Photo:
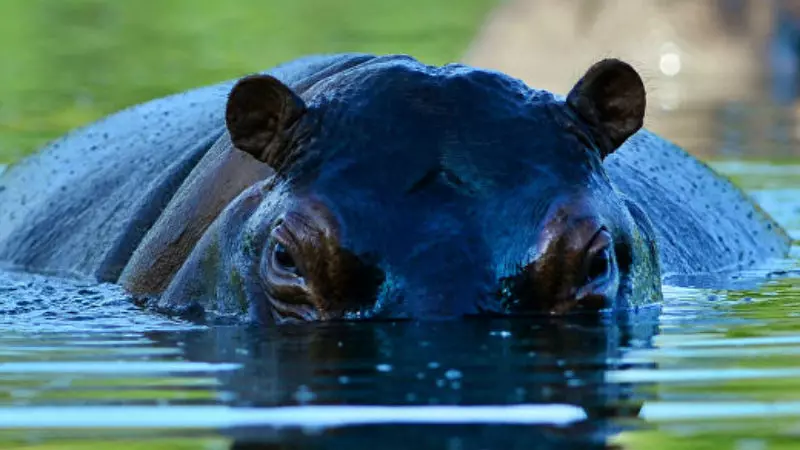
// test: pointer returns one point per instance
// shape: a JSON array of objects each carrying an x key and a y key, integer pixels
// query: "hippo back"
[
  {"x": 702, "y": 221},
  {"x": 83, "y": 203}
]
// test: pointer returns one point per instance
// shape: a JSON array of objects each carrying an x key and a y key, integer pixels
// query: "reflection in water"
[{"x": 481, "y": 362}]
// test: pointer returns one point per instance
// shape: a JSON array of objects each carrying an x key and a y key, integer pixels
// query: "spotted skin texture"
[
  {"x": 82, "y": 204},
  {"x": 703, "y": 222},
  {"x": 446, "y": 191}
]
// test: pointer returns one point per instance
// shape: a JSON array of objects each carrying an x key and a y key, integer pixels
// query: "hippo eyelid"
[
  {"x": 283, "y": 233},
  {"x": 299, "y": 226}
]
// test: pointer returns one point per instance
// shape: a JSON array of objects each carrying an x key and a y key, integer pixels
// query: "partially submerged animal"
[{"x": 354, "y": 185}]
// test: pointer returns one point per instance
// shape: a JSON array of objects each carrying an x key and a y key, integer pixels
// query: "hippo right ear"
[
  {"x": 259, "y": 114},
  {"x": 610, "y": 98}
]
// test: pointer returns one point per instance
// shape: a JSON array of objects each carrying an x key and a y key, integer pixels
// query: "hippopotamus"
[{"x": 357, "y": 186}]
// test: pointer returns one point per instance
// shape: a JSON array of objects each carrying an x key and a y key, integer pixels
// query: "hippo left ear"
[
  {"x": 610, "y": 98},
  {"x": 259, "y": 114}
]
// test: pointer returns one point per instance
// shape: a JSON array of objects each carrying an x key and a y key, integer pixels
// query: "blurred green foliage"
[{"x": 65, "y": 63}]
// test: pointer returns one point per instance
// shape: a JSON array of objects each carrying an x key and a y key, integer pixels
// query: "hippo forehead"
[
  {"x": 451, "y": 163},
  {"x": 389, "y": 125}
]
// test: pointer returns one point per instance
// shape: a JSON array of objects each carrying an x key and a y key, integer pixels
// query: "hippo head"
[{"x": 408, "y": 191}]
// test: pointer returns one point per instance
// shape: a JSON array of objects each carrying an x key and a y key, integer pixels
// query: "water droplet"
[
  {"x": 303, "y": 394},
  {"x": 433, "y": 365},
  {"x": 502, "y": 333},
  {"x": 453, "y": 374},
  {"x": 384, "y": 367},
  {"x": 574, "y": 382},
  {"x": 344, "y": 379}
]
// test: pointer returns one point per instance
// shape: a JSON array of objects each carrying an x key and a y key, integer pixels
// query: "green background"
[{"x": 68, "y": 62}]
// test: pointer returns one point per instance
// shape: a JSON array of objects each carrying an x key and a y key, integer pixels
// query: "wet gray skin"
[{"x": 353, "y": 186}]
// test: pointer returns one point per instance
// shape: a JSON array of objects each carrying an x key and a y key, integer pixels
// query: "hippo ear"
[
  {"x": 259, "y": 114},
  {"x": 610, "y": 98}
]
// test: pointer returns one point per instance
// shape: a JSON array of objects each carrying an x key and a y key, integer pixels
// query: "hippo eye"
[
  {"x": 283, "y": 260},
  {"x": 599, "y": 265}
]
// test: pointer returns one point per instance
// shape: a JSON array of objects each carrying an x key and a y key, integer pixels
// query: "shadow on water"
[{"x": 497, "y": 362}]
